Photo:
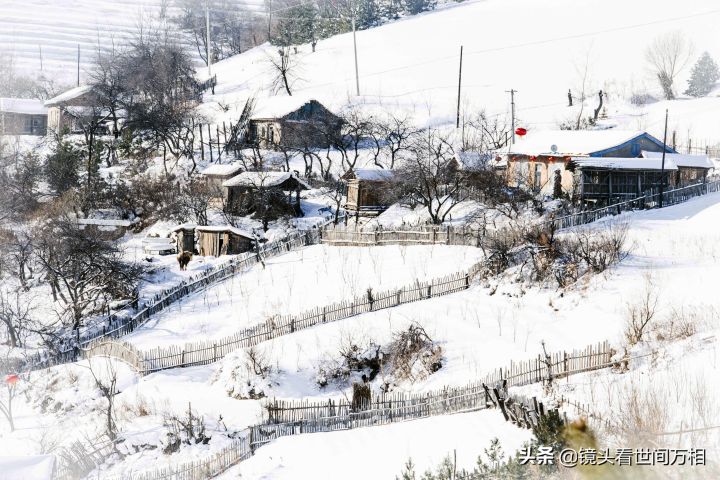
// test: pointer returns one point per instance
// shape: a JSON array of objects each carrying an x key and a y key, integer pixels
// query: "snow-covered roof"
[
  {"x": 27, "y": 106},
  {"x": 184, "y": 226},
  {"x": 571, "y": 142},
  {"x": 69, "y": 95},
  {"x": 471, "y": 160},
  {"x": 278, "y": 107},
  {"x": 226, "y": 228},
  {"x": 222, "y": 169},
  {"x": 624, "y": 163},
  {"x": 104, "y": 222},
  {"x": 262, "y": 179},
  {"x": 372, "y": 174},
  {"x": 682, "y": 160}
]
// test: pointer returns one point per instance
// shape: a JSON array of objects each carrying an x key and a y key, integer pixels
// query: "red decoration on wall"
[
  {"x": 11, "y": 379},
  {"x": 520, "y": 131}
]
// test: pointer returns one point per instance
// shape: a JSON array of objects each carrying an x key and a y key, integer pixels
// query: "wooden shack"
[
  {"x": 691, "y": 169},
  {"x": 223, "y": 240},
  {"x": 292, "y": 122},
  {"x": 218, "y": 173},
  {"x": 367, "y": 190},
  {"x": 22, "y": 116},
  {"x": 185, "y": 237},
  {"x": 240, "y": 190},
  {"x": 534, "y": 160}
]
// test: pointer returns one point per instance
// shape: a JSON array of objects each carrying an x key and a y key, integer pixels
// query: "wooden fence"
[
  {"x": 285, "y": 418},
  {"x": 205, "y": 352},
  {"x": 562, "y": 364},
  {"x": 119, "y": 327}
]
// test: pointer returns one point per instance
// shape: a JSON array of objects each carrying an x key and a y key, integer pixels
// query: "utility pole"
[
  {"x": 207, "y": 41},
  {"x": 512, "y": 93},
  {"x": 457, "y": 121},
  {"x": 357, "y": 76},
  {"x": 78, "y": 66},
  {"x": 662, "y": 165}
]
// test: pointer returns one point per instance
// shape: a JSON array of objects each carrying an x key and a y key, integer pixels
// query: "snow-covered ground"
[
  {"x": 295, "y": 282},
  {"x": 381, "y": 452},
  {"x": 478, "y": 331}
]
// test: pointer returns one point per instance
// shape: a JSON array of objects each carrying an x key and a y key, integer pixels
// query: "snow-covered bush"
[
  {"x": 411, "y": 356},
  {"x": 246, "y": 374}
]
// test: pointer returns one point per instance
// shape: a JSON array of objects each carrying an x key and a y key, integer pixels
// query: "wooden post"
[
  {"x": 202, "y": 144},
  {"x": 210, "y": 142}
]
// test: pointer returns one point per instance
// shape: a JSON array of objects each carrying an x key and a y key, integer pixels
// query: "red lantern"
[
  {"x": 520, "y": 131},
  {"x": 11, "y": 379}
]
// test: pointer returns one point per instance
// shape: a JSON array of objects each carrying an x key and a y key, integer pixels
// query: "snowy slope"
[
  {"x": 59, "y": 26},
  {"x": 537, "y": 48}
]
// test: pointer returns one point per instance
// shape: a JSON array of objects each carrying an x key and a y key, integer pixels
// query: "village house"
[
  {"x": 240, "y": 190},
  {"x": 292, "y": 122},
  {"x": 539, "y": 160},
  {"x": 367, "y": 190},
  {"x": 22, "y": 116},
  {"x": 223, "y": 240},
  {"x": 67, "y": 109}
]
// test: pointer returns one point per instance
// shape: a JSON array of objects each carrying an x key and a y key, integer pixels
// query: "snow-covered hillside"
[
  {"x": 57, "y": 28},
  {"x": 539, "y": 49}
]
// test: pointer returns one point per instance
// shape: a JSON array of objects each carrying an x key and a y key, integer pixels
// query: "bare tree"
[
  {"x": 83, "y": 270},
  {"x": 6, "y": 401},
  {"x": 667, "y": 56},
  {"x": 16, "y": 315},
  {"x": 430, "y": 176},
  {"x": 106, "y": 383},
  {"x": 285, "y": 68}
]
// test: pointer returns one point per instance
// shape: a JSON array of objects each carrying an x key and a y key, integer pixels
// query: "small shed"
[
  {"x": 293, "y": 122},
  {"x": 367, "y": 190},
  {"x": 612, "y": 180},
  {"x": 691, "y": 169},
  {"x": 22, "y": 116},
  {"x": 185, "y": 237},
  {"x": 223, "y": 240},
  {"x": 239, "y": 190},
  {"x": 218, "y": 173}
]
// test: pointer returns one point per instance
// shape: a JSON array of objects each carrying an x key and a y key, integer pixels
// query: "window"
[
  {"x": 538, "y": 176},
  {"x": 271, "y": 134}
]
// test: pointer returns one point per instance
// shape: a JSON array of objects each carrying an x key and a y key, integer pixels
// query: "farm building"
[
  {"x": 367, "y": 190},
  {"x": 534, "y": 160},
  {"x": 216, "y": 174},
  {"x": 292, "y": 122},
  {"x": 185, "y": 237},
  {"x": 66, "y": 109},
  {"x": 691, "y": 169},
  {"x": 223, "y": 240},
  {"x": 22, "y": 116},
  {"x": 242, "y": 190}
]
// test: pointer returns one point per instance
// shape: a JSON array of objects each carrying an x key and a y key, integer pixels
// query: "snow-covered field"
[{"x": 295, "y": 282}]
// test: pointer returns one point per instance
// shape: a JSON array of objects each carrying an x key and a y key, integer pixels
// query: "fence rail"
[{"x": 205, "y": 352}]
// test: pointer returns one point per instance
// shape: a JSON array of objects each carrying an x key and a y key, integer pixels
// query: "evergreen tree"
[
  {"x": 61, "y": 168},
  {"x": 703, "y": 77},
  {"x": 418, "y": 6}
]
